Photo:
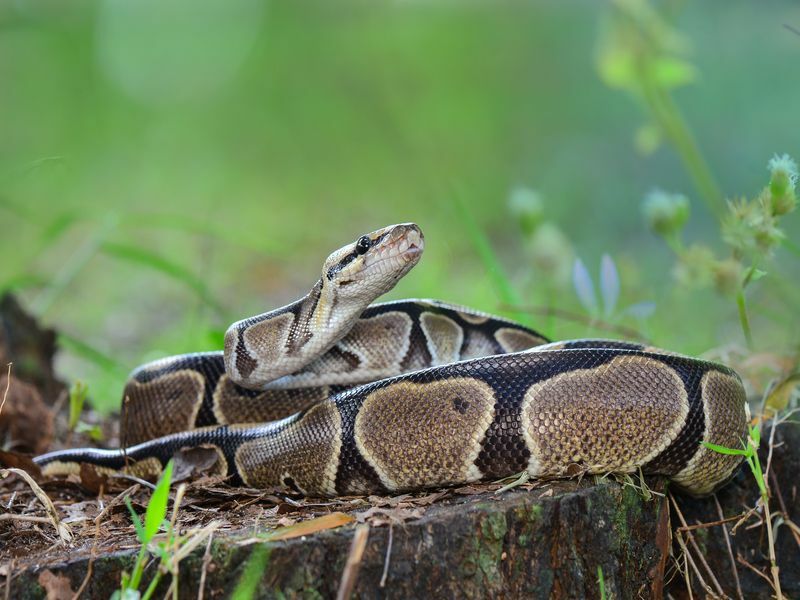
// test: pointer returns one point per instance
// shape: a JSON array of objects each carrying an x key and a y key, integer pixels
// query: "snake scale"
[{"x": 333, "y": 395}]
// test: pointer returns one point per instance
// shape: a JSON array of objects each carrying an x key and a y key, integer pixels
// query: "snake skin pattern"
[{"x": 417, "y": 394}]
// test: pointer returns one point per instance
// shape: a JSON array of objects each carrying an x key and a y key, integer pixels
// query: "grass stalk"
[
  {"x": 744, "y": 320},
  {"x": 672, "y": 123}
]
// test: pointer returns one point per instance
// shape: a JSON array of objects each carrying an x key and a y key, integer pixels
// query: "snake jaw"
[
  {"x": 371, "y": 266},
  {"x": 394, "y": 254}
]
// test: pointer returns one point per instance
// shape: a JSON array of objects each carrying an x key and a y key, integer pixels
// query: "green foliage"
[
  {"x": 154, "y": 520},
  {"x": 494, "y": 270},
  {"x": 666, "y": 214},
  {"x": 750, "y": 228},
  {"x": 77, "y": 398},
  {"x": 251, "y": 574},
  {"x": 750, "y": 454},
  {"x": 170, "y": 269},
  {"x": 601, "y": 582},
  {"x": 643, "y": 55}
]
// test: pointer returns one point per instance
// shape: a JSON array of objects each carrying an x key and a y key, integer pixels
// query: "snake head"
[{"x": 373, "y": 264}]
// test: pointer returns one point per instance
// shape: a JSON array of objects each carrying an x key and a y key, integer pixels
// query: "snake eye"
[{"x": 362, "y": 245}]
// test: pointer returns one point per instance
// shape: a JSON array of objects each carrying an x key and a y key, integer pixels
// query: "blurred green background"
[{"x": 167, "y": 167}]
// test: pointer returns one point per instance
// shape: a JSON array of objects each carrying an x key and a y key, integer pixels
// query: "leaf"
[
  {"x": 724, "y": 450},
  {"x": 57, "y": 587},
  {"x": 641, "y": 310},
  {"x": 670, "y": 72},
  {"x": 755, "y": 434},
  {"x": 58, "y": 227},
  {"x": 331, "y": 521},
  {"x": 752, "y": 274},
  {"x": 212, "y": 228},
  {"x": 252, "y": 573},
  {"x": 91, "y": 354},
  {"x": 609, "y": 284},
  {"x": 137, "y": 522},
  {"x": 779, "y": 396},
  {"x": 616, "y": 66},
  {"x": 77, "y": 400},
  {"x": 157, "y": 507},
  {"x": 166, "y": 267},
  {"x": 501, "y": 282},
  {"x": 584, "y": 287}
]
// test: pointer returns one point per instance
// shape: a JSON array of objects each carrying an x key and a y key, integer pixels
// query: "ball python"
[{"x": 333, "y": 395}]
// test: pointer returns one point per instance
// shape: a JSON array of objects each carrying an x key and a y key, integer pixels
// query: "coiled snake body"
[{"x": 331, "y": 395}]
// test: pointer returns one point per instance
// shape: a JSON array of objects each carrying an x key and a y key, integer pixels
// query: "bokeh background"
[{"x": 167, "y": 167}]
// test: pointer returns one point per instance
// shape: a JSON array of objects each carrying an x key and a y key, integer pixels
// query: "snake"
[{"x": 336, "y": 395}]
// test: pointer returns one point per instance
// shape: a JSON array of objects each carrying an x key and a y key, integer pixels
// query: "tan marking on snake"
[
  {"x": 266, "y": 341},
  {"x": 380, "y": 342},
  {"x": 472, "y": 318},
  {"x": 478, "y": 344},
  {"x": 147, "y": 468},
  {"x": 724, "y": 411},
  {"x": 231, "y": 406},
  {"x": 307, "y": 452},
  {"x": 515, "y": 340},
  {"x": 612, "y": 418},
  {"x": 417, "y": 435},
  {"x": 443, "y": 336},
  {"x": 167, "y": 404}
]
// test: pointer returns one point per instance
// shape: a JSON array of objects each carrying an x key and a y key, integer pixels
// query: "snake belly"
[{"x": 332, "y": 395}]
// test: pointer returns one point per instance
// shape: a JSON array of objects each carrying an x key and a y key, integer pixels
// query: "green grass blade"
[
  {"x": 74, "y": 265},
  {"x": 500, "y": 281},
  {"x": 724, "y": 450},
  {"x": 157, "y": 507},
  {"x": 77, "y": 399},
  {"x": 251, "y": 575},
  {"x": 22, "y": 281},
  {"x": 165, "y": 267},
  {"x": 91, "y": 354},
  {"x": 601, "y": 582},
  {"x": 186, "y": 224},
  {"x": 137, "y": 522}
]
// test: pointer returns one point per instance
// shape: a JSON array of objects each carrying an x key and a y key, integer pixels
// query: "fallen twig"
[
  {"x": 87, "y": 578},
  {"x": 62, "y": 529},
  {"x": 722, "y": 522},
  {"x": 116, "y": 500},
  {"x": 692, "y": 541},
  {"x": 8, "y": 385},
  {"x": 353, "y": 565},
  {"x": 204, "y": 570},
  {"x": 388, "y": 556}
]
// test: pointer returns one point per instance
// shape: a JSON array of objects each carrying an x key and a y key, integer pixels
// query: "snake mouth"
[{"x": 398, "y": 249}]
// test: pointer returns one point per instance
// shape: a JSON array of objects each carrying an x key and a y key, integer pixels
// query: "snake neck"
[{"x": 264, "y": 348}]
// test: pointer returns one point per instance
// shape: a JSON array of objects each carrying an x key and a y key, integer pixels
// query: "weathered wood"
[{"x": 511, "y": 545}]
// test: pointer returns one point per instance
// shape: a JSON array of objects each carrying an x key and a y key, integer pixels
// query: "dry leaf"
[
  {"x": 92, "y": 480},
  {"x": 20, "y": 461},
  {"x": 63, "y": 530},
  {"x": 780, "y": 395},
  {"x": 331, "y": 521},
  {"x": 57, "y": 587},
  {"x": 199, "y": 460}
]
